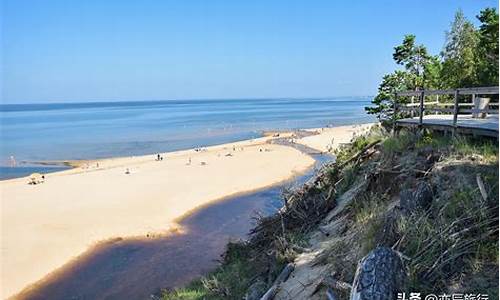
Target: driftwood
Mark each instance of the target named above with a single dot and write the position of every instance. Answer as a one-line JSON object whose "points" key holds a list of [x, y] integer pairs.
{"points": [[330, 294], [306, 206], [482, 189], [331, 283], [323, 231], [282, 277], [336, 284], [360, 153]]}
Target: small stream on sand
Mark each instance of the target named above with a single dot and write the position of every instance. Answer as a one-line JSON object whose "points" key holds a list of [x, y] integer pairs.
{"points": [[136, 269]]}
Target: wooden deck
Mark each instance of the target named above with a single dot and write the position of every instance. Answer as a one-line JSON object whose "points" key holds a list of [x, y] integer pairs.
{"points": [[456, 116], [465, 124]]}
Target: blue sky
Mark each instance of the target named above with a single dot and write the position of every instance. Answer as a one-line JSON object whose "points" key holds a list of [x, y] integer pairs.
{"points": [[73, 51]]}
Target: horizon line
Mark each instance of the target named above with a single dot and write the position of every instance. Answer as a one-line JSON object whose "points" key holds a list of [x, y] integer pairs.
{"points": [[188, 99]]}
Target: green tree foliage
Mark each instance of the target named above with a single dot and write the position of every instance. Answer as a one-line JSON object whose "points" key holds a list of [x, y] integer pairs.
{"points": [[383, 102], [432, 73], [488, 47], [420, 69], [413, 57], [469, 58], [460, 54]]}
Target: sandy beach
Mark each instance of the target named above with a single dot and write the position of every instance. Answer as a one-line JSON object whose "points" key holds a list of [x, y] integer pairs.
{"points": [[46, 225], [330, 138]]}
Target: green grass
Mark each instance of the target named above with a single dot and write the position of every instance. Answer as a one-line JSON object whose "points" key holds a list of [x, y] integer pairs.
{"points": [[459, 145], [188, 293], [229, 281], [399, 143], [345, 152], [368, 212], [454, 241], [348, 175], [456, 235]]}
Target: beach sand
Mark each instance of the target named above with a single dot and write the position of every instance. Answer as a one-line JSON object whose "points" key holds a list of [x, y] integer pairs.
{"points": [[330, 138], [46, 225]]}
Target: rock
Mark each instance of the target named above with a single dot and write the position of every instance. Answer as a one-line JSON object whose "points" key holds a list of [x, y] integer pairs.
{"points": [[380, 276], [418, 198], [256, 290]]}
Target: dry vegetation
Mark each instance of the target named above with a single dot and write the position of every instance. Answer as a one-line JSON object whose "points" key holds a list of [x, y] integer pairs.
{"points": [[432, 198]]}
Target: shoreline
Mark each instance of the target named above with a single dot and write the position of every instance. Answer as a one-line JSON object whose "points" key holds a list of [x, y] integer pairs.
{"points": [[73, 164], [107, 245], [283, 162]]}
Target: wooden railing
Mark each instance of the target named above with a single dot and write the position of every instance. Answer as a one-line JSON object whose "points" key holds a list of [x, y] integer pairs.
{"points": [[455, 107]]}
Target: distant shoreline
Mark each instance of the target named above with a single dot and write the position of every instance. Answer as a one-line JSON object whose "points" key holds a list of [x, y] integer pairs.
{"points": [[94, 102]]}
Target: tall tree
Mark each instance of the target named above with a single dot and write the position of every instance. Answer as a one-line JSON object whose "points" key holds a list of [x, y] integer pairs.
{"points": [[413, 57], [432, 73], [460, 54], [383, 102], [421, 70], [488, 47]]}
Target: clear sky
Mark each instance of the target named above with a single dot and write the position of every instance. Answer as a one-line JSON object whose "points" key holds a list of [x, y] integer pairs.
{"points": [[105, 50]]}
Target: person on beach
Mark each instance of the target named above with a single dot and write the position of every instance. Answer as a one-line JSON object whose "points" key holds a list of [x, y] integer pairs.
{"points": [[158, 157], [12, 161]]}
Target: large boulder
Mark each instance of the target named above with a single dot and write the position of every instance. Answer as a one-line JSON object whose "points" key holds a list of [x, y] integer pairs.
{"points": [[380, 276]]}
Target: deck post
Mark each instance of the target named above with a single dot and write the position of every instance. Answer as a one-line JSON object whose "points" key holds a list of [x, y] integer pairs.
{"points": [[394, 113], [421, 121], [437, 104], [475, 113], [455, 112]]}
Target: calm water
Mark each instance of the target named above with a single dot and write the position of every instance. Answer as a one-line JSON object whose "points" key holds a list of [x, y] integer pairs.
{"points": [[38, 132]]}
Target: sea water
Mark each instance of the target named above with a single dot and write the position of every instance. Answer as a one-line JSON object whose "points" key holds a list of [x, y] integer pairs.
{"points": [[32, 133]]}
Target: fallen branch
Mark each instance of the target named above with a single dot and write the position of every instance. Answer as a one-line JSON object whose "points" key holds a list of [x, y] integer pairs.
{"points": [[282, 277], [323, 231], [330, 294], [336, 284], [360, 153], [480, 184], [331, 283]]}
